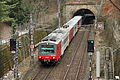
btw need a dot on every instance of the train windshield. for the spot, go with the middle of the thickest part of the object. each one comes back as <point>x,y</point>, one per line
<point>47,49</point>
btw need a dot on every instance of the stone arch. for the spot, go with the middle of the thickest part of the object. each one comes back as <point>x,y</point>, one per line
<point>71,9</point>
<point>88,17</point>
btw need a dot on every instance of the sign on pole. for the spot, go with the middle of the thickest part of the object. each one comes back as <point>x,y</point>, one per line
<point>100,26</point>
<point>32,46</point>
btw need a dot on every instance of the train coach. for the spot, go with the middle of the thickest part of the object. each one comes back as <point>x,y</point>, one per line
<point>52,47</point>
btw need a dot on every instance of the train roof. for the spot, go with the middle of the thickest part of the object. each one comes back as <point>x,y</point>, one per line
<point>55,36</point>
<point>58,34</point>
<point>72,22</point>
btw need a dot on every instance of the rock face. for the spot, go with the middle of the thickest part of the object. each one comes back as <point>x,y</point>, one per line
<point>5,31</point>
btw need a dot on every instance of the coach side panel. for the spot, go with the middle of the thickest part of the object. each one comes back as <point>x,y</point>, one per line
<point>65,43</point>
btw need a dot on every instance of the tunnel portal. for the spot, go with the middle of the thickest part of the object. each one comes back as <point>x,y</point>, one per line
<point>88,16</point>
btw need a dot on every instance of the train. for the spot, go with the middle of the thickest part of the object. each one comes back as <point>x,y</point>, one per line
<point>52,47</point>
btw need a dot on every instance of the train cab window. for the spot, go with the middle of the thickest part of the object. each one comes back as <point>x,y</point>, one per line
<point>45,49</point>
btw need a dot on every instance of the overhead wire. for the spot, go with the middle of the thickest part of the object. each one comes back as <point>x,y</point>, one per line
<point>114,5</point>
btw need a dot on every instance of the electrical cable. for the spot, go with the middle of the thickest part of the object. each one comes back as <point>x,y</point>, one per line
<point>114,5</point>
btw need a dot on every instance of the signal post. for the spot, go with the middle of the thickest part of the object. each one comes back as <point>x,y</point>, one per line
<point>14,46</point>
<point>90,50</point>
<point>31,31</point>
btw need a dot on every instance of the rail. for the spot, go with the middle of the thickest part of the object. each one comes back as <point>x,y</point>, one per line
<point>64,78</point>
<point>80,60</point>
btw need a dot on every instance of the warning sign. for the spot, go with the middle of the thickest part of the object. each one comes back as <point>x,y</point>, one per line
<point>100,26</point>
<point>32,46</point>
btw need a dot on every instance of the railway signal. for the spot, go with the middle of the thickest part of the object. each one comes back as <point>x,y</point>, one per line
<point>90,50</point>
<point>31,31</point>
<point>90,46</point>
<point>12,44</point>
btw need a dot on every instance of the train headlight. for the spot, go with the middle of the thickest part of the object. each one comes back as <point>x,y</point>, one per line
<point>40,57</point>
<point>53,57</point>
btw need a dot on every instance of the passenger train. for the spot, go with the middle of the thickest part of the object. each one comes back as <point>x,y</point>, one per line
<point>52,47</point>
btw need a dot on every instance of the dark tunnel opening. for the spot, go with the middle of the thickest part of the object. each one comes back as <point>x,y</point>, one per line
<point>88,16</point>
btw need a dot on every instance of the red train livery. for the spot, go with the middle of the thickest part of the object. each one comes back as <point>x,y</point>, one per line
<point>52,47</point>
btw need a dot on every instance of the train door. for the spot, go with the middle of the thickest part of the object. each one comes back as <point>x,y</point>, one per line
<point>71,33</point>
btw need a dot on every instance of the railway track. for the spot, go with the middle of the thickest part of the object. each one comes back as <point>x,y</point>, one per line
<point>73,65</point>
<point>77,60</point>
<point>44,72</point>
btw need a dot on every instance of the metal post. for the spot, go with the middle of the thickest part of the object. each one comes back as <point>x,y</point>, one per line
<point>16,76</point>
<point>31,41</point>
<point>112,62</point>
<point>59,15</point>
<point>107,64</point>
<point>90,60</point>
<point>15,59</point>
<point>99,10</point>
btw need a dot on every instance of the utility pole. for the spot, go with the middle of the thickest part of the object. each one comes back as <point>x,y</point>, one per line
<point>16,76</point>
<point>99,10</point>
<point>31,41</point>
<point>59,14</point>
<point>14,46</point>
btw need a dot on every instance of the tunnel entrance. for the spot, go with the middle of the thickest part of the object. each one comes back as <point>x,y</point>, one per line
<point>88,16</point>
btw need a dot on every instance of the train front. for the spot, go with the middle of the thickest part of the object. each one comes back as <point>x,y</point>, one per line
<point>47,53</point>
